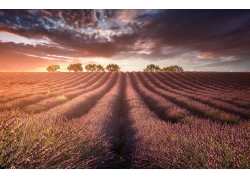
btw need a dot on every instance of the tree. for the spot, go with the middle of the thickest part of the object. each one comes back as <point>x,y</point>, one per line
<point>100,68</point>
<point>75,67</point>
<point>113,68</point>
<point>94,67</point>
<point>172,68</point>
<point>52,68</point>
<point>90,67</point>
<point>152,68</point>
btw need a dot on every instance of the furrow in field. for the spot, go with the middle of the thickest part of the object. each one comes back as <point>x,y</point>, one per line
<point>202,99</point>
<point>80,105</point>
<point>200,144</point>
<point>48,77</point>
<point>103,123</point>
<point>236,78</point>
<point>218,80</point>
<point>65,95</point>
<point>195,82</point>
<point>212,92</point>
<point>81,78</point>
<point>193,106</point>
<point>138,119</point>
<point>35,86</point>
<point>14,89</point>
<point>205,80</point>
<point>33,98</point>
<point>192,87</point>
<point>164,108</point>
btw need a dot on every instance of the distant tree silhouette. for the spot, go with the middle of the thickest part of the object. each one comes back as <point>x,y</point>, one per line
<point>94,68</point>
<point>113,68</point>
<point>172,68</point>
<point>100,68</point>
<point>75,67</point>
<point>152,68</point>
<point>90,67</point>
<point>52,68</point>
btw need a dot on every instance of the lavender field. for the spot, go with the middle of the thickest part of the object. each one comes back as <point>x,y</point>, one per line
<point>123,120</point>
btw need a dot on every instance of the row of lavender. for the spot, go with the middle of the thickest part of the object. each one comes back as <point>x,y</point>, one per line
<point>125,121</point>
<point>50,83</point>
<point>200,143</point>
<point>34,95</point>
<point>205,100</point>
<point>229,96</point>
<point>48,139</point>
<point>229,89</point>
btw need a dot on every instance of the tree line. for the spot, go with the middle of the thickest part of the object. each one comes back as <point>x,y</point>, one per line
<point>77,67</point>
<point>156,68</point>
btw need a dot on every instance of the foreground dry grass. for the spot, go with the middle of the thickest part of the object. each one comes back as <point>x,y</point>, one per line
<point>125,120</point>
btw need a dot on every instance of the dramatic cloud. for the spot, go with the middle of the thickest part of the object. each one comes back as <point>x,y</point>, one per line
<point>196,39</point>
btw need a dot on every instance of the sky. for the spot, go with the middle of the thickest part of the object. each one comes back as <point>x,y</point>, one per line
<point>196,40</point>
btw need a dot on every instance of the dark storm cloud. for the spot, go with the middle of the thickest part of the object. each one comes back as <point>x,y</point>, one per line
<point>53,24</point>
<point>33,19</point>
<point>221,32</point>
<point>203,35</point>
<point>68,28</point>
